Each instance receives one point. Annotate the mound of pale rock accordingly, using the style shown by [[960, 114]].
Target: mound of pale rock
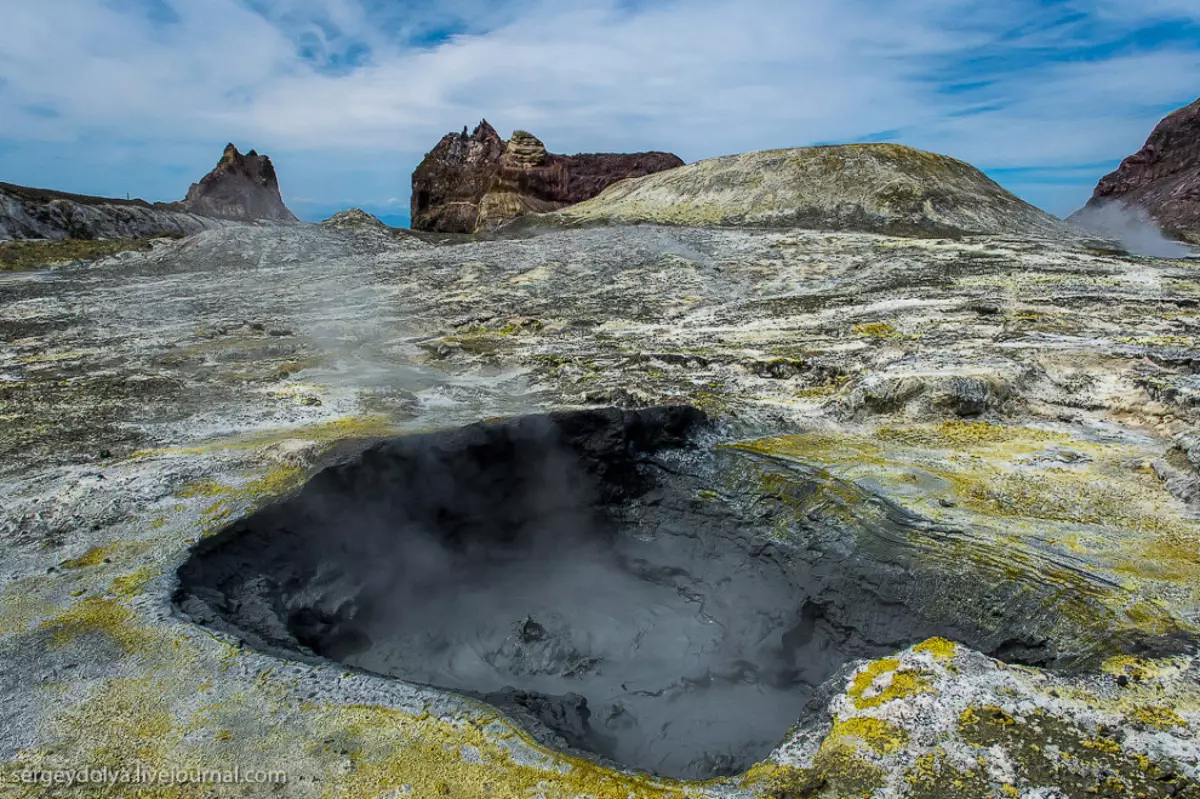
[[355, 219], [884, 188]]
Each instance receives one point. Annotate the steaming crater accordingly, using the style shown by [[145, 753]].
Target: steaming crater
[[576, 570]]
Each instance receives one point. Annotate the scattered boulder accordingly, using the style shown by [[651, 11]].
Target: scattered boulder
[[879, 188], [293, 453], [242, 187], [479, 181], [1163, 177], [924, 391], [1179, 469]]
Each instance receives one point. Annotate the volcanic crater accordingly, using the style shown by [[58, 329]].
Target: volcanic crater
[[576, 570]]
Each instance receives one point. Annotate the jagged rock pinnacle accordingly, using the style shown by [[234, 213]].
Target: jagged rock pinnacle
[[239, 187]]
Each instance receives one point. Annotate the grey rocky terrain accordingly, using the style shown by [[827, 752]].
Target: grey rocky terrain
[[992, 437], [38, 214]]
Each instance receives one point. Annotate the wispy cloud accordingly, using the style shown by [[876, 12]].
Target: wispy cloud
[[348, 94]]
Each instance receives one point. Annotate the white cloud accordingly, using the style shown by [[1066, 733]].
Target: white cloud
[[1165, 10], [698, 77], [1070, 113]]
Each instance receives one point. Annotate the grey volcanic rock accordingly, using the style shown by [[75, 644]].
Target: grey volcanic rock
[[983, 424], [361, 223], [242, 187], [27, 213], [883, 188], [480, 182], [1163, 177]]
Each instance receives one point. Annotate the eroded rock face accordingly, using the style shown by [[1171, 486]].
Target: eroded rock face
[[479, 181], [242, 187], [1163, 177], [880, 188], [524, 151]]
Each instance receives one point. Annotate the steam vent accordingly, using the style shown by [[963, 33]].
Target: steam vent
[[616, 582]]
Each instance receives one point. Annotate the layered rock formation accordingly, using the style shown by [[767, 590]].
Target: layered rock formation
[[881, 188], [1163, 177], [28, 213], [242, 187], [479, 181]]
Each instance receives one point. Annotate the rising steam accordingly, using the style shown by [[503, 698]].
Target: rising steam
[[1131, 225]]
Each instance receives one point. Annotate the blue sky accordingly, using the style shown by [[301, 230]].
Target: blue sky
[[139, 96]]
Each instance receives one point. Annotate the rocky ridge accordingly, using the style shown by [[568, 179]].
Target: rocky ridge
[[27, 213], [479, 181], [1163, 177], [883, 188], [241, 188]]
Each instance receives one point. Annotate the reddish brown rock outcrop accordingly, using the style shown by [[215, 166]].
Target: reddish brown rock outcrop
[[1163, 177], [239, 187], [479, 181]]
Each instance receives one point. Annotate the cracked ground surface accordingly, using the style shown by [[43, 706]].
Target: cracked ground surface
[[1026, 406]]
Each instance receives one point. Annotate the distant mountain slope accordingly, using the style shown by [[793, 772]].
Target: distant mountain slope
[[885, 188], [1163, 177]]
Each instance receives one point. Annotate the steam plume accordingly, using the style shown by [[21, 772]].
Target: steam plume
[[1131, 225]]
